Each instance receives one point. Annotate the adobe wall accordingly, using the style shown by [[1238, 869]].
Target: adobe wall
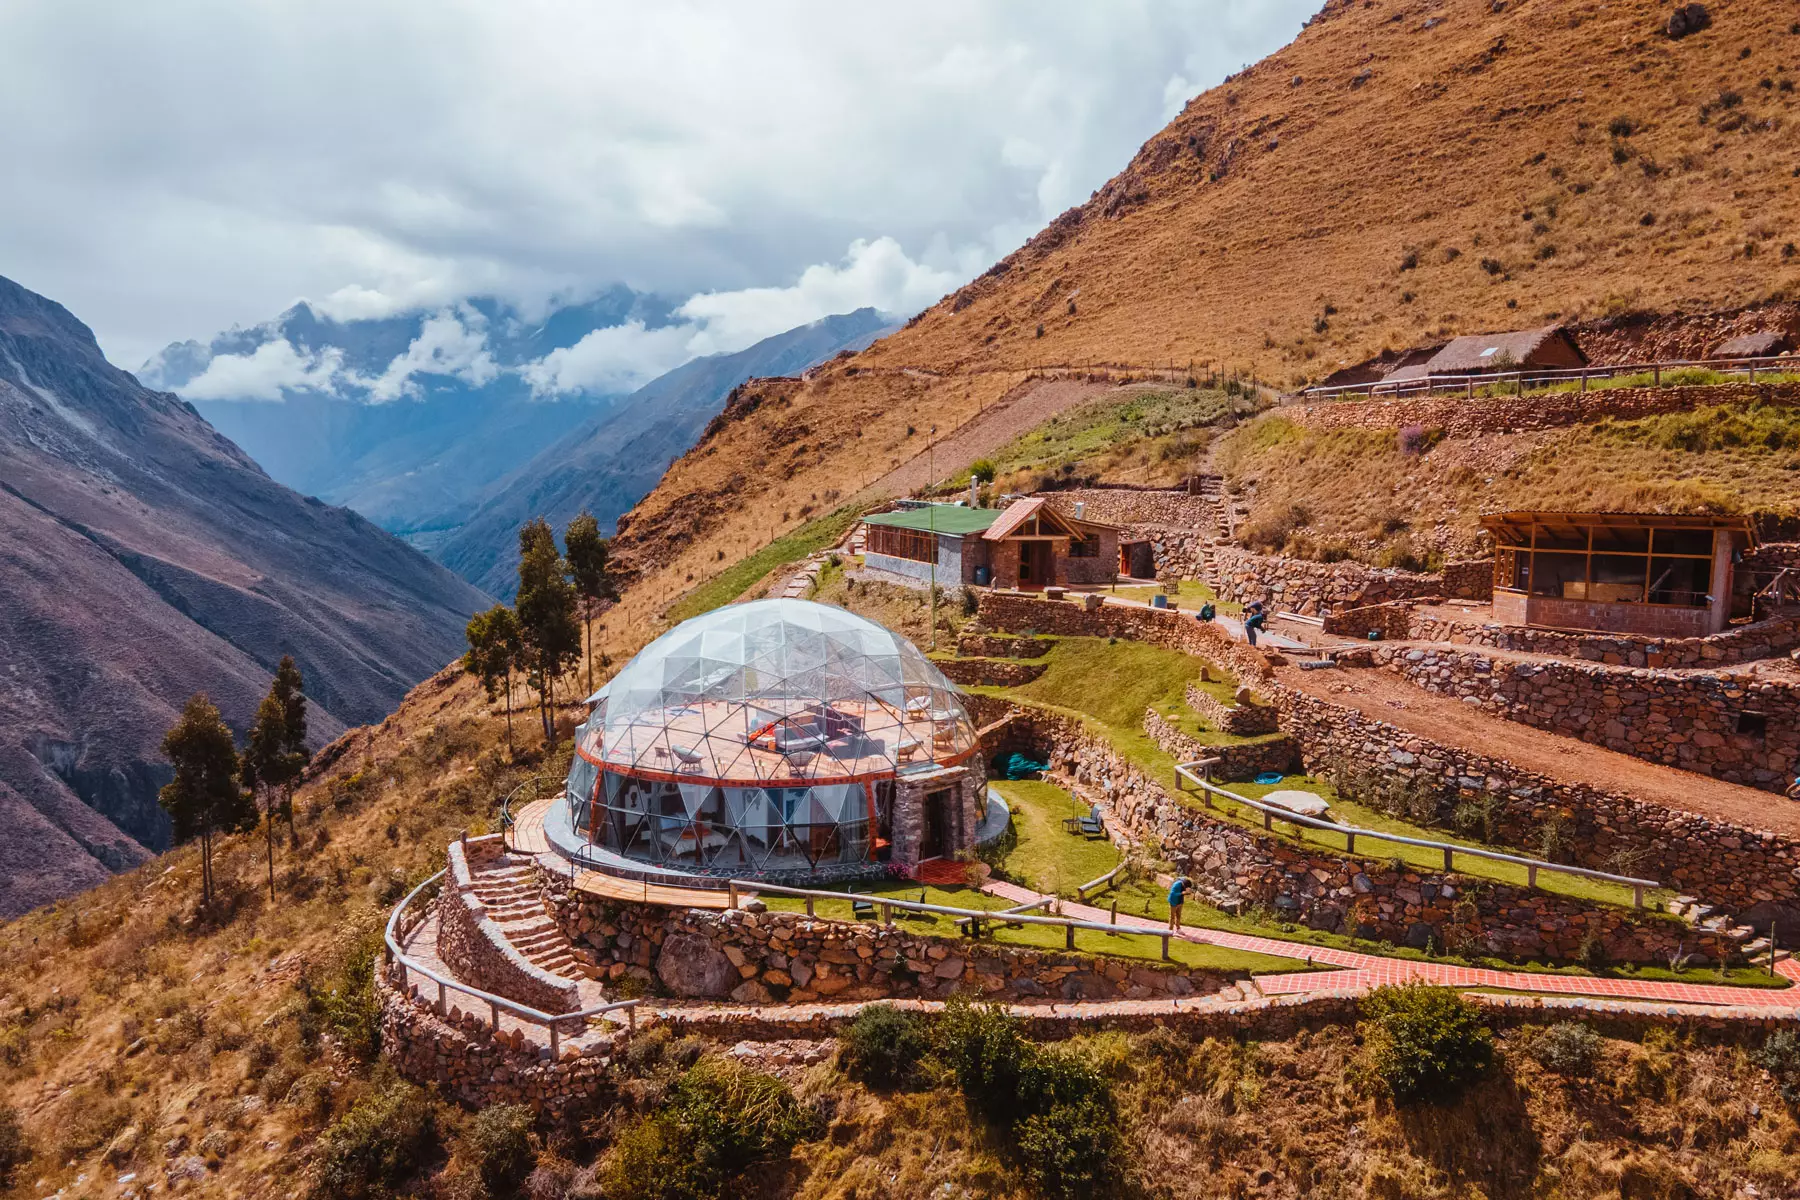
[[787, 957], [474, 947], [1233, 866], [1683, 718], [1460, 417], [1750, 873], [1316, 588]]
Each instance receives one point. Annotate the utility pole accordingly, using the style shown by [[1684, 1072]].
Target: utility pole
[[931, 522]]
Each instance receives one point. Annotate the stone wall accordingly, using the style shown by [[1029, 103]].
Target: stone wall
[[1753, 874], [1745, 643], [1243, 720], [1312, 588], [992, 645], [1177, 524], [460, 1053], [1387, 621], [1172, 630], [1238, 760], [1687, 719], [473, 946], [1234, 866], [989, 672], [788, 957], [1469, 579], [1460, 417]]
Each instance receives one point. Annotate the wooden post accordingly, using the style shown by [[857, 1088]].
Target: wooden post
[[443, 1007], [631, 1018], [1656, 374], [1268, 820], [1115, 911], [1530, 874], [1070, 940], [1165, 953], [553, 1042], [731, 900], [887, 914], [494, 1015], [1349, 843], [1584, 381], [809, 906], [1447, 853]]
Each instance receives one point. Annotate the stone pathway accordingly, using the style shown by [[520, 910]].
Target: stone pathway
[[1354, 969]]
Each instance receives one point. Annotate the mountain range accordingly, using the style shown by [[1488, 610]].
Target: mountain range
[[144, 557]]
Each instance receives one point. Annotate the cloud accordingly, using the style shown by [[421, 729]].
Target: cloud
[[388, 162], [621, 358], [450, 344], [265, 373]]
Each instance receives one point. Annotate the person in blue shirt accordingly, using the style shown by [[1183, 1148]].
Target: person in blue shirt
[[1254, 619], [1177, 894], [1207, 611]]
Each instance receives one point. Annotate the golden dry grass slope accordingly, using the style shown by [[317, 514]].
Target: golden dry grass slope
[[1403, 171]]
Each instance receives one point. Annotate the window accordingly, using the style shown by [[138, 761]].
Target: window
[[900, 543], [1751, 724], [1611, 565], [1088, 547]]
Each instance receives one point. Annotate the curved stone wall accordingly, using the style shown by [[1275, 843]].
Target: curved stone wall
[[478, 950]]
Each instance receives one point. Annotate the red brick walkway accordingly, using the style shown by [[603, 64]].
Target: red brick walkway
[[1352, 969]]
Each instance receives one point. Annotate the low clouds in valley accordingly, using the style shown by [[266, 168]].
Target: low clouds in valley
[[195, 165]]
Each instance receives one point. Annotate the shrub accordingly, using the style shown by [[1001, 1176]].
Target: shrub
[[983, 1046], [349, 1009], [1492, 266], [1780, 1057], [717, 1122], [883, 1046], [1567, 1048], [380, 1144], [1412, 439], [499, 1141], [1423, 1043], [982, 470], [15, 1151], [1621, 126]]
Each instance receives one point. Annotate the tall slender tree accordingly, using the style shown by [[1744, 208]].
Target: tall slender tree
[[589, 557], [546, 613], [289, 689], [493, 654], [264, 768], [204, 798]]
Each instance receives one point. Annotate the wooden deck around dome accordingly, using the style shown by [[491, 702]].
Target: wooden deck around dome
[[528, 837]]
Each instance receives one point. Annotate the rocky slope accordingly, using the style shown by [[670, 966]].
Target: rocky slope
[[144, 557], [608, 463]]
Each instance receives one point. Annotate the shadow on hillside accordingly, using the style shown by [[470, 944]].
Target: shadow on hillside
[[1485, 1139]]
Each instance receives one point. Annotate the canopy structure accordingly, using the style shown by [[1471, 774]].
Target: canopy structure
[[765, 735]]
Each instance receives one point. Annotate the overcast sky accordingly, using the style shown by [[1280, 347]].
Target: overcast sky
[[181, 166]]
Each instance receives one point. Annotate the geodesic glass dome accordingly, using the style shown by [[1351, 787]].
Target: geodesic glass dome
[[762, 736]]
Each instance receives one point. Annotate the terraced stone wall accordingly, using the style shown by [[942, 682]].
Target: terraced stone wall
[[1753, 874], [1316, 588], [1459, 418], [787, 957], [1746, 643], [473, 946], [1729, 725], [1012, 613], [1244, 720], [1237, 867], [1237, 760], [989, 672]]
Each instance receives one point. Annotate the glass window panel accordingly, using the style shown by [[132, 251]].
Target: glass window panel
[[1682, 581], [1563, 575], [1618, 578]]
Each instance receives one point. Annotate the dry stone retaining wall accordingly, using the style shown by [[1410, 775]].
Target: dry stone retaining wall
[[989, 672], [1316, 588], [788, 957], [1244, 720], [1234, 867], [1688, 719], [1237, 760], [1460, 417], [995, 645], [1746, 643], [1016, 613], [1756, 875], [476, 948]]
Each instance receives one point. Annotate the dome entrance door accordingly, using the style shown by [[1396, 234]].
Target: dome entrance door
[[937, 825]]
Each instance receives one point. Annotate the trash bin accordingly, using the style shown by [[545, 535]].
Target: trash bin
[[1159, 601], [982, 575]]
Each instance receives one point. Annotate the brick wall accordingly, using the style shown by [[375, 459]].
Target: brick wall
[[473, 946], [1687, 719], [1460, 417]]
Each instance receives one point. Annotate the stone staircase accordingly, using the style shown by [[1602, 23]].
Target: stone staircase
[[507, 887], [1704, 916]]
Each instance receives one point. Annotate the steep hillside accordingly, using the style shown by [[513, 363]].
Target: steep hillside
[[143, 557], [609, 462], [1403, 171]]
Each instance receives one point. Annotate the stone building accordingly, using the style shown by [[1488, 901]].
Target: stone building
[[778, 739], [1028, 544]]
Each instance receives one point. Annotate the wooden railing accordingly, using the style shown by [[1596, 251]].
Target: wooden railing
[[974, 917], [1524, 379], [398, 927], [1272, 813]]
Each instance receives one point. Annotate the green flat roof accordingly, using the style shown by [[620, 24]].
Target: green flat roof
[[943, 518]]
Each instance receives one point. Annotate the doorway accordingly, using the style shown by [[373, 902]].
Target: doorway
[[937, 825], [1036, 565]]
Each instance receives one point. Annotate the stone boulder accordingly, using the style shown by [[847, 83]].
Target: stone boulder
[[695, 969], [1688, 18]]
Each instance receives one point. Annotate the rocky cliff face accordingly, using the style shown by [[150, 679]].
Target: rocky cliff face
[[144, 557]]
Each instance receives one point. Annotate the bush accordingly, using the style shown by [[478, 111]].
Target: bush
[[982, 470], [983, 1046], [349, 1009], [716, 1123], [15, 1151], [883, 1046], [1568, 1048], [1780, 1057], [380, 1144], [1424, 1043], [499, 1141]]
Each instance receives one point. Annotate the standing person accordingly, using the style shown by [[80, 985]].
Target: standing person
[[1177, 896], [1254, 620]]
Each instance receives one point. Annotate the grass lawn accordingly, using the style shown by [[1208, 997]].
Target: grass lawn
[[736, 579], [1113, 682], [1043, 937], [1188, 595], [1046, 858]]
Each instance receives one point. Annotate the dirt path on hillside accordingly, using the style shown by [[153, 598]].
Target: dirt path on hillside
[[1385, 697], [1023, 411]]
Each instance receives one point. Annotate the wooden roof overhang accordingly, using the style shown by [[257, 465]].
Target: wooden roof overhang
[[1515, 528], [1031, 518]]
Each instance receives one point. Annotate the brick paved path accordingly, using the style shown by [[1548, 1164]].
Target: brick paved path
[[1353, 969]]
